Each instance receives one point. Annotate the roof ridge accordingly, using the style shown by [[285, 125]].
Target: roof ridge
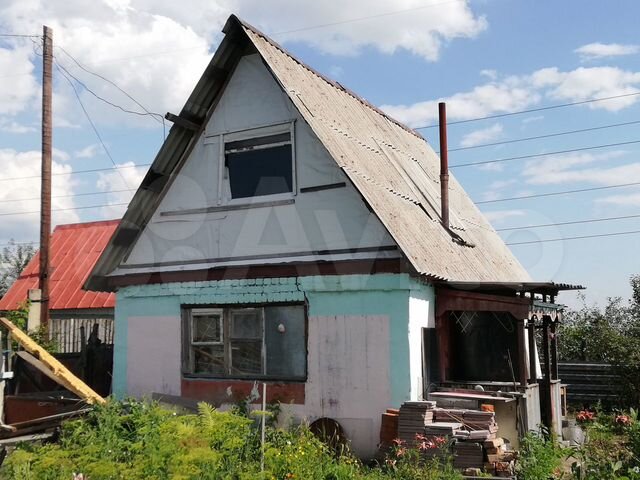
[[331, 82], [68, 226]]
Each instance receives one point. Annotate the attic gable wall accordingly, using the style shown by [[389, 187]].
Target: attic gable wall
[[327, 220]]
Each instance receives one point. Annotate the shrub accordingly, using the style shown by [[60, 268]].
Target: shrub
[[134, 441], [540, 458]]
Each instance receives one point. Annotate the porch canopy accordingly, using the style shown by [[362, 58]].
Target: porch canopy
[[478, 322], [511, 288]]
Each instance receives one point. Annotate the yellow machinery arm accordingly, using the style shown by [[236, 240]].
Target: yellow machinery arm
[[62, 374]]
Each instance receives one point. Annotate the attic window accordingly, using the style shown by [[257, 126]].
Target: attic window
[[260, 166]]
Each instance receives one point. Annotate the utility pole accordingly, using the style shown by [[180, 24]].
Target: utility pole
[[45, 192]]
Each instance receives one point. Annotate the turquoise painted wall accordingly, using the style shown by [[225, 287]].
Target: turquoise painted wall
[[381, 294]]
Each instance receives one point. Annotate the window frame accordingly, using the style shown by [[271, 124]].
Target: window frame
[[224, 189], [187, 355]]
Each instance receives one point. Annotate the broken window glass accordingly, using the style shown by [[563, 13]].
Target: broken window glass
[[259, 166], [261, 342]]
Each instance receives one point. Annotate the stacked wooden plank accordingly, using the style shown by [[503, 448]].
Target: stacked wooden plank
[[412, 419], [443, 429], [468, 454], [479, 425]]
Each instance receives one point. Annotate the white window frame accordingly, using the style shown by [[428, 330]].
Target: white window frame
[[224, 193]]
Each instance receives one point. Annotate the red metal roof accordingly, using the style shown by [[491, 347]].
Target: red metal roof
[[75, 248]]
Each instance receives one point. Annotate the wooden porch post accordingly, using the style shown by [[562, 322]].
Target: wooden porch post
[[443, 335], [545, 394], [533, 377], [522, 354], [554, 351]]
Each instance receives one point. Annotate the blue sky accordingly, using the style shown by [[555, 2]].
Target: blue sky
[[484, 57]]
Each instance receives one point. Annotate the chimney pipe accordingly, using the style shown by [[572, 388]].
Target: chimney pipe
[[444, 166]]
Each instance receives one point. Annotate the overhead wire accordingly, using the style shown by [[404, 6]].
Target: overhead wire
[[570, 222], [531, 110], [547, 135], [91, 170], [70, 195], [93, 126], [580, 237], [8, 214], [156, 116], [535, 155], [562, 192]]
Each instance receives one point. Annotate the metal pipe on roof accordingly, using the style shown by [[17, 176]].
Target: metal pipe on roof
[[444, 166]]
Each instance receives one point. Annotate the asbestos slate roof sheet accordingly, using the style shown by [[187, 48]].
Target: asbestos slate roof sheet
[[75, 248], [397, 172]]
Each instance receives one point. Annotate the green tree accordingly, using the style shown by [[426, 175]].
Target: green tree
[[13, 258], [610, 334]]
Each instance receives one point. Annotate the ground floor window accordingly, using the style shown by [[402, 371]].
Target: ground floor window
[[249, 342]]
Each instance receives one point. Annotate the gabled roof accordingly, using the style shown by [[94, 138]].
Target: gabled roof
[[392, 166], [75, 248]]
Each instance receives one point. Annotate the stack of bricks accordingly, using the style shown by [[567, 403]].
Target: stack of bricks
[[413, 417], [389, 428], [500, 462], [468, 454]]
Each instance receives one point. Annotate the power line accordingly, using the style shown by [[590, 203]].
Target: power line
[[563, 192], [573, 222], [548, 135], [369, 17], [11, 244], [92, 170], [14, 35], [8, 214], [5, 200], [544, 240], [532, 110], [156, 116], [93, 126], [522, 157]]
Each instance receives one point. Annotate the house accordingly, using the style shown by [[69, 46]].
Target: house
[[290, 233], [74, 249]]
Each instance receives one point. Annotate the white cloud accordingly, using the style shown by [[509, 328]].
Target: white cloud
[[11, 126], [479, 102], [413, 25], [587, 83], [515, 93], [489, 73], [484, 135], [89, 151], [628, 200], [127, 179], [18, 86], [15, 166], [498, 216], [580, 168], [602, 50]]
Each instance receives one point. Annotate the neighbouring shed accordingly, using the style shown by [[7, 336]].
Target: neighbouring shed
[[75, 249]]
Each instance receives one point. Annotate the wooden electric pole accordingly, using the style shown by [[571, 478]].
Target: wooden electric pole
[[45, 192]]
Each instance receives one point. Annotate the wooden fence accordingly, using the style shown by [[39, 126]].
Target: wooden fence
[[67, 332], [588, 383]]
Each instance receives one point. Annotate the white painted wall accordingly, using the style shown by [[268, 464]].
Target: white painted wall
[[153, 355], [326, 220], [421, 315], [348, 370]]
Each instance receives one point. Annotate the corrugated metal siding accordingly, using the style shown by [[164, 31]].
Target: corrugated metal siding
[[397, 172], [74, 251]]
